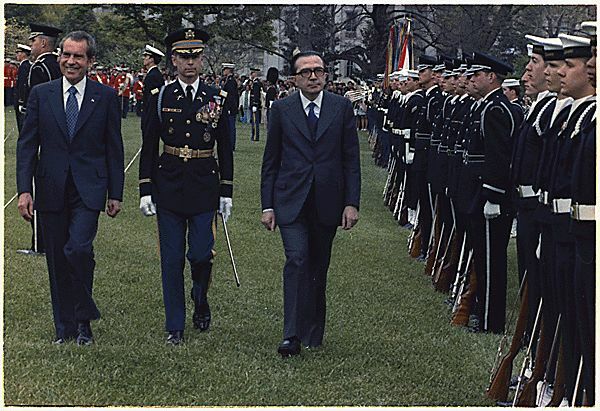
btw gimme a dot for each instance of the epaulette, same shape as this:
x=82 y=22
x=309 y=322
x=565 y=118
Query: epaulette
x=154 y=91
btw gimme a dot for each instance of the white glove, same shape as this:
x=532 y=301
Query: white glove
x=147 y=207
x=538 y=250
x=225 y=205
x=254 y=109
x=410 y=158
x=491 y=210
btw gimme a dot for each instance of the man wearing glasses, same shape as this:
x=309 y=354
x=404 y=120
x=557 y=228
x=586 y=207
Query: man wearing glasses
x=310 y=185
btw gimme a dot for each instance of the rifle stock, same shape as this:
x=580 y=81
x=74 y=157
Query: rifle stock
x=415 y=242
x=498 y=389
x=528 y=396
x=437 y=229
x=461 y=316
x=442 y=276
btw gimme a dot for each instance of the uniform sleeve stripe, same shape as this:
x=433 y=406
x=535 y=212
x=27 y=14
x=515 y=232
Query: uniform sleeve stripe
x=496 y=189
x=229 y=182
x=145 y=180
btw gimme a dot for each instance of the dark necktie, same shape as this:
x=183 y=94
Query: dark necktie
x=189 y=92
x=72 y=111
x=312 y=120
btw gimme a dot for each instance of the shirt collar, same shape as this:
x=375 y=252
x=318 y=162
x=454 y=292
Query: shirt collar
x=491 y=92
x=79 y=86
x=578 y=102
x=306 y=102
x=194 y=85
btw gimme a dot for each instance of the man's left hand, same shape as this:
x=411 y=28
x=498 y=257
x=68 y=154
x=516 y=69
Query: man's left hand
x=225 y=205
x=113 y=207
x=349 y=217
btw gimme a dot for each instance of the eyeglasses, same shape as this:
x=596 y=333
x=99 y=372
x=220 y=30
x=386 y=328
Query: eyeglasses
x=306 y=73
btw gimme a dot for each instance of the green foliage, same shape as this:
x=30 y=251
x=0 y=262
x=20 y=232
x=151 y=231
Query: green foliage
x=388 y=340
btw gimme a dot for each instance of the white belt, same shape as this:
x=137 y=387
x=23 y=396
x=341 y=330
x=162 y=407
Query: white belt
x=526 y=192
x=543 y=198
x=561 y=205
x=582 y=212
x=396 y=131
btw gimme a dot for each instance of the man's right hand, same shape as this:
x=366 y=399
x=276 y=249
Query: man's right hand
x=147 y=207
x=25 y=206
x=268 y=220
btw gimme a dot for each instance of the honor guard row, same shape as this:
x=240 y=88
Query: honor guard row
x=465 y=156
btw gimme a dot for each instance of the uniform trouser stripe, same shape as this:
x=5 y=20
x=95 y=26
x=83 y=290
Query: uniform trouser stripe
x=487 y=273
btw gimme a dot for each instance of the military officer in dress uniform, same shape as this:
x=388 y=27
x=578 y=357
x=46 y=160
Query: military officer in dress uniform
x=491 y=211
x=185 y=185
x=512 y=90
x=232 y=102
x=255 y=103
x=154 y=78
x=22 y=54
x=44 y=68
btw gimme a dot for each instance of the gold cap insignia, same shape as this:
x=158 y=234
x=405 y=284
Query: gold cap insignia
x=189 y=34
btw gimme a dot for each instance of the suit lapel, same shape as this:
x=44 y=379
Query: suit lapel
x=58 y=107
x=297 y=115
x=91 y=98
x=329 y=111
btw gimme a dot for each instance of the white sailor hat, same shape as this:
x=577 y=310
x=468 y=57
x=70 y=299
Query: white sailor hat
x=23 y=48
x=228 y=65
x=394 y=75
x=412 y=74
x=591 y=29
x=152 y=51
x=536 y=46
x=550 y=48
x=403 y=75
x=529 y=49
x=575 y=46
x=511 y=82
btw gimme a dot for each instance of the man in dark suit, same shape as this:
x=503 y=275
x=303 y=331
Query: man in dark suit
x=232 y=102
x=185 y=184
x=75 y=125
x=310 y=184
x=255 y=103
x=22 y=55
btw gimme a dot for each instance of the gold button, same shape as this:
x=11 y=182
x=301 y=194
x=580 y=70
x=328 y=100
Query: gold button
x=187 y=121
x=187 y=134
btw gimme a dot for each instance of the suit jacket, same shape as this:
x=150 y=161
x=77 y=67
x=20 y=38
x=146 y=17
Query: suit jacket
x=21 y=86
x=293 y=162
x=94 y=155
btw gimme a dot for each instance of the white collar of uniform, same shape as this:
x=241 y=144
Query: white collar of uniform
x=306 y=102
x=580 y=101
x=152 y=68
x=464 y=97
x=42 y=55
x=194 y=85
x=429 y=89
x=491 y=92
x=79 y=86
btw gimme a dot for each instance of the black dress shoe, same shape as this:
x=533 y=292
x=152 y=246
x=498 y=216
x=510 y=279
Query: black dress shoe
x=201 y=318
x=289 y=347
x=84 y=333
x=175 y=337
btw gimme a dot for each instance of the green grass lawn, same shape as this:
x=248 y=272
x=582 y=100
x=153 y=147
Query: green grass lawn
x=388 y=340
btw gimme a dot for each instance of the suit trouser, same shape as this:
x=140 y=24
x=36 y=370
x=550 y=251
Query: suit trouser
x=20 y=118
x=69 y=235
x=490 y=241
x=307 y=244
x=585 y=298
x=255 y=121
x=172 y=228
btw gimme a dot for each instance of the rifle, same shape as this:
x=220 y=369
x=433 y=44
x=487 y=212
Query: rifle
x=559 y=377
x=400 y=198
x=235 y=273
x=465 y=301
x=434 y=233
x=527 y=359
x=544 y=384
x=441 y=271
x=390 y=167
x=463 y=282
x=434 y=251
x=577 y=381
x=457 y=277
x=414 y=240
x=529 y=393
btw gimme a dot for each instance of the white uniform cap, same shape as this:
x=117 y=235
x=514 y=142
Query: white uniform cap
x=153 y=50
x=511 y=82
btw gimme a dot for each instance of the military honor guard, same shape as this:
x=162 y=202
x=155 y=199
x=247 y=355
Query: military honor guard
x=230 y=109
x=255 y=103
x=153 y=81
x=183 y=183
x=23 y=52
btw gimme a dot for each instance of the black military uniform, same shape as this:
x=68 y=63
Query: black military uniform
x=21 y=86
x=153 y=81
x=186 y=182
x=415 y=104
x=44 y=69
x=255 y=106
x=490 y=235
x=232 y=102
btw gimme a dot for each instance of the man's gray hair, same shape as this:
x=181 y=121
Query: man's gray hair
x=82 y=36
